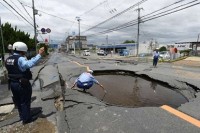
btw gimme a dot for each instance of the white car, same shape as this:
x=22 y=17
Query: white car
x=86 y=53
x=102 y=52
x=164 y=55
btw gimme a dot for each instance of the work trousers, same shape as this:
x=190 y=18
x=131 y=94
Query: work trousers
x=155 y=61
x=84 y=85
x=22 y=99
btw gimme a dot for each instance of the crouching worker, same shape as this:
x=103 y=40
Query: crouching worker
x=19 y=75
x=86 y=80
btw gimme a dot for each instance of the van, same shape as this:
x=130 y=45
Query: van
x=86 y=53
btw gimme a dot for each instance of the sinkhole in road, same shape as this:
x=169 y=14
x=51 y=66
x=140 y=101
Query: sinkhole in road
x=130 y=90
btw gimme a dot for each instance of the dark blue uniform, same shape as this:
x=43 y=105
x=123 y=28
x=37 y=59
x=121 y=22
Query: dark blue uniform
x=20 y=87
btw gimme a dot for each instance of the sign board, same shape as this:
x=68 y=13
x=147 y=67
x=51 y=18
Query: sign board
x=43 y=30
x=48 y=30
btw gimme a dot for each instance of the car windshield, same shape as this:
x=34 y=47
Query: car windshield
x=163 y=52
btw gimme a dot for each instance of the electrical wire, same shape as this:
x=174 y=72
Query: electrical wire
x=25 y=9
x=137 y=4
x=136 y=20
x=92 y=8
x=145 y=16
x=16 y=15
x=18 y=12
x=145 y=20
x=18 y=9
x=10 y=10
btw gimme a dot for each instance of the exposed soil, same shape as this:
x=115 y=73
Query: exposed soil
x=187 y=63
x=41 y=125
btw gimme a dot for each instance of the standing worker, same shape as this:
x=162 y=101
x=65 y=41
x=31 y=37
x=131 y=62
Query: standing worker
x=86 y=80
x=156 y=55
x=19 y=75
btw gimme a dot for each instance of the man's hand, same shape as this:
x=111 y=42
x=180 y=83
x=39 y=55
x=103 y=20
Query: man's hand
x=103 y=88
x=41 y=51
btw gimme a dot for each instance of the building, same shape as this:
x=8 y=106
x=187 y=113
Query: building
x=118 y=47
x=55 y=46
x=194 y=46
x=73 y=42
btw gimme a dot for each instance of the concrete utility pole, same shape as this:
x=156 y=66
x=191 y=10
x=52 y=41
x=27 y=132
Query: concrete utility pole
x=3 y=49
x=35 y=34
x=106 y=39
x=78 y=19
x=198 y=37
x=138 y=32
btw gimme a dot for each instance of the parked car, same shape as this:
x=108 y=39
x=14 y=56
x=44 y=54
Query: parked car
x=102 y=52
x=86 y=53
x=164 y=55
x=124 y=52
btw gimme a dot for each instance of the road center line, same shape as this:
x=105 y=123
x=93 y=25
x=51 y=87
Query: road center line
x=87 y=67
x=182 y=115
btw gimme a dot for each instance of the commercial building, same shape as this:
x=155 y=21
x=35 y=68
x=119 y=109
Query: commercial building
x=73 y=42
x=118 y=47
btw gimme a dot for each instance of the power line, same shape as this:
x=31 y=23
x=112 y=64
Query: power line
x=15 y=14
x=18 y=8
x=135 y=20
x=18 y=12
x=51 y=14
x=137 y=4
x=135 y=23
x=93 y=8
x=9 y=10
x=25 y=9
x=60 y=17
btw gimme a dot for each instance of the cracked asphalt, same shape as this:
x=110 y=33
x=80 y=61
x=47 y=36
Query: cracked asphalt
x=82 y=113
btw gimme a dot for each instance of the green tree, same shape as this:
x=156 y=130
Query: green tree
x=11 y=35
x=129 y=41
x=163 y=48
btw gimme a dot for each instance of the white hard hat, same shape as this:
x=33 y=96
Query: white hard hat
x=20 y=46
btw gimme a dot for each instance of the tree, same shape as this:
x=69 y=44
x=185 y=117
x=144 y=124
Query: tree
x=163 y=48
x=129 y=41
x=11 y=35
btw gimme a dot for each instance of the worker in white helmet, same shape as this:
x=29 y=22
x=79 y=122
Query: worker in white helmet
x=19 y=75
x=86 y=80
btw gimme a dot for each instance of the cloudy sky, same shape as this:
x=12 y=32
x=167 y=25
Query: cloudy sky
x=166 y=21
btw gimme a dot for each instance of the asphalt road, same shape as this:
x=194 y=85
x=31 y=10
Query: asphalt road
x=84 y=113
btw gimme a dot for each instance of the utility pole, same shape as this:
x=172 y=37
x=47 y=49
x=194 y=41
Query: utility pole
x=198 y=37
x=106 y=39
x=138 y=31
x=3 y=49
x=78 y=19
x=35 y=34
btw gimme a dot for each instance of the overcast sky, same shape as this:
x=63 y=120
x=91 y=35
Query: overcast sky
x=60 y=17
